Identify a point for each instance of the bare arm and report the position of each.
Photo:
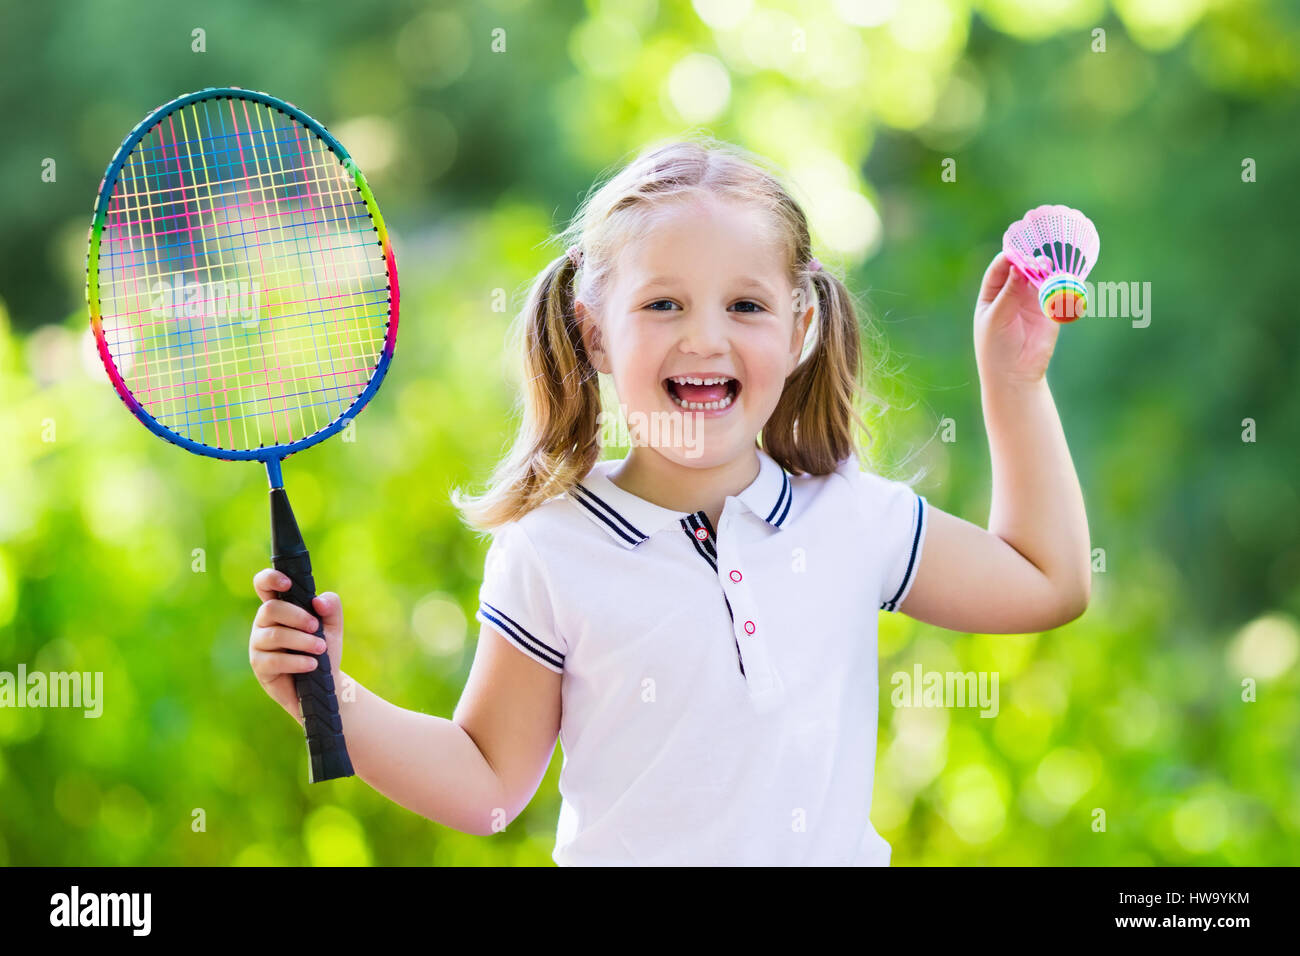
(426, 763)
(511, 708)
(1029, 570)
(477, 771)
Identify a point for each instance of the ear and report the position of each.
(801, 323)
(591, 337)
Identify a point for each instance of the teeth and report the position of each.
(701, 406)
(690, 380)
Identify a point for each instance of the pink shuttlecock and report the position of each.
(1055, 247)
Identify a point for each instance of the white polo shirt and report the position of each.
(720, 688)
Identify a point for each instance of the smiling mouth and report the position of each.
(690, 393)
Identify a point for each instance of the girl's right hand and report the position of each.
(278, 626)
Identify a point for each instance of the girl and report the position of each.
(697, 622)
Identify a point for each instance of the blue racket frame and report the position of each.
(327, 749)
(270, 455)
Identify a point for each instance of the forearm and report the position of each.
(428, 764)
(1037, 504)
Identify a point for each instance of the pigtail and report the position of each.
(813, 427)
(558, 438)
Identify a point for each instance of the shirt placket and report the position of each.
(746, 624)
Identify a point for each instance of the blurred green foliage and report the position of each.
(475, 157)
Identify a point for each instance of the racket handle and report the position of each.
(327, 751)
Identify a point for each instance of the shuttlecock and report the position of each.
(1055, 247)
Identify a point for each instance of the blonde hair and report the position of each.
(812, 428)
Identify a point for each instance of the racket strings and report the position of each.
(243, 290)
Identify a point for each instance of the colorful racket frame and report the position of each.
(270, 455)
(327, 748)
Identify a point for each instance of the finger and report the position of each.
(269, 583)
(271, 664)
(330, 608)
(1014, 285)
(995, 277)
(285, 638)
(283, 613)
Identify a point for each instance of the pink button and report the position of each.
(735, 575)
(749, 627)
(701, 533)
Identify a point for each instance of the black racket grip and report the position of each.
(327, 751)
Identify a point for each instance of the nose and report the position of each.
(704, 333)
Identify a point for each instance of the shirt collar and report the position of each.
(629, 520)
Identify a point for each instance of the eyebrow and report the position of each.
(748, 282)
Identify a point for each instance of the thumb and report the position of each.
(1015, 283)
(995, 277)
(329, 607)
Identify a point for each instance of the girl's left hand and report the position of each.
(1014, 340)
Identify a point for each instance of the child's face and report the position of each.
(702, 293)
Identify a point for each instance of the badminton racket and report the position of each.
(243, 298)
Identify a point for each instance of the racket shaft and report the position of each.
(326, 748)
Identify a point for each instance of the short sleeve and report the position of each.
(896, 523)
(515, 597)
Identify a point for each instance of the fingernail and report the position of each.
(320, 645)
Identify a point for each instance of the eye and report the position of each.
(670, 304)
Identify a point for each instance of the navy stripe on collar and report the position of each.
(607, 515)
(609, 506)
(783, 502)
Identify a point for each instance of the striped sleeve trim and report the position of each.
(918, 538)
(538, 650)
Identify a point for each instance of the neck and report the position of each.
(649, 475)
